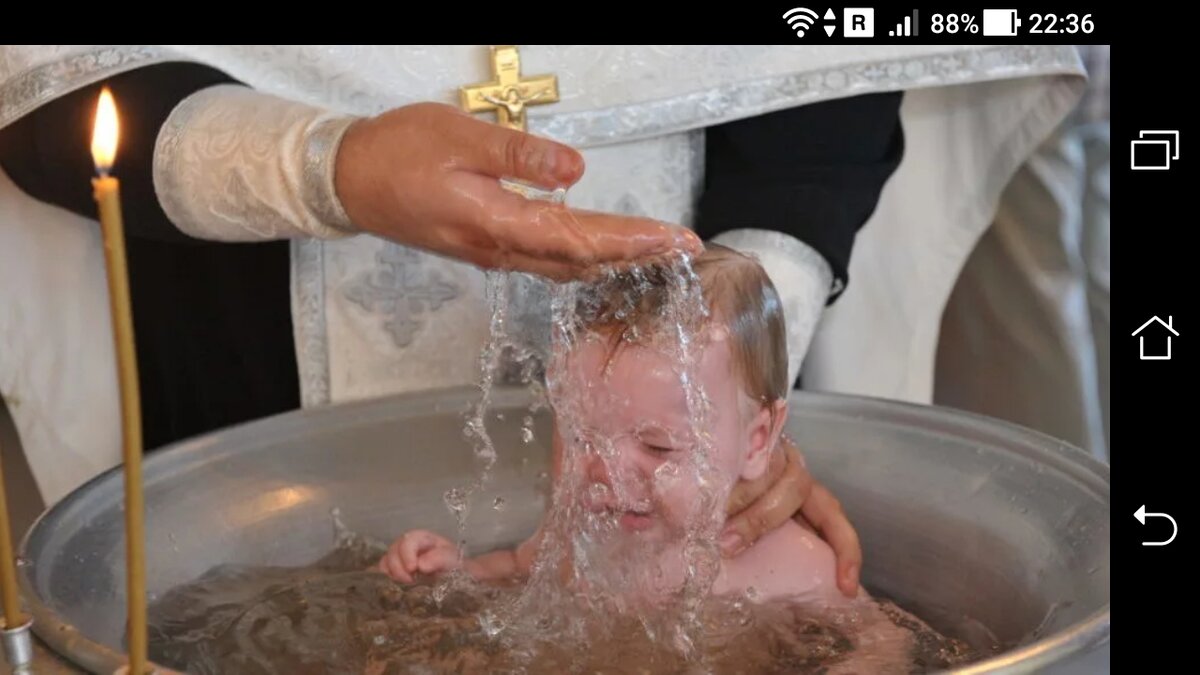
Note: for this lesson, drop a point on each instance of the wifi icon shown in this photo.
(800, 19)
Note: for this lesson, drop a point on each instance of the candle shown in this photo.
(106, 190)
(8, 570)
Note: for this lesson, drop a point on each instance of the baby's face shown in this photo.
(642, 459)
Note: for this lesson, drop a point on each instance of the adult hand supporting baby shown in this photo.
(788, 490)
(427, 175)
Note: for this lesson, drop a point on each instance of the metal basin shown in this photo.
(964, 520)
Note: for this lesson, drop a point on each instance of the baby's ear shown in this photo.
(764, 432)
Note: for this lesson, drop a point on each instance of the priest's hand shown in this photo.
(787, 490)
(427, 175)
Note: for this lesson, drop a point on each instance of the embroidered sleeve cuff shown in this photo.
(234, 164)
(802, 278)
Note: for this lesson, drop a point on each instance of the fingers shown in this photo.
(521, 262)
(501, 152)
(438, 559)
(581, 269)
(405, 556)
(580, 239)
(391, 565)
(412, 545)
(493, 228)
(618, 238)
(825, 513)
(427, 175)
(746, 491)
(775, 507)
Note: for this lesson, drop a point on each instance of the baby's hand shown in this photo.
(419, 552)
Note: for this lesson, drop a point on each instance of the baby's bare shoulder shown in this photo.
(789, 561)
(793, 544)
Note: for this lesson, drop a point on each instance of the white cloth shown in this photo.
(362, 306)
(1018, 338)
(57, 369)
(962, 146)
(1025, 336)
(232, 164)
(803, 274)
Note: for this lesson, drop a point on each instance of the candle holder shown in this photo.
(18, 646)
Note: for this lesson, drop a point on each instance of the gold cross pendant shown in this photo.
(508, 94)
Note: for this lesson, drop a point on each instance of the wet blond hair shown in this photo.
(739, 297)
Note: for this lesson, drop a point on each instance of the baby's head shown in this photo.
(635, 434)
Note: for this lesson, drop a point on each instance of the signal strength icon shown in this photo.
(906, 28)
(800, 19)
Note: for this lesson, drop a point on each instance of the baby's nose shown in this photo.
(597, 469)
(618, 466)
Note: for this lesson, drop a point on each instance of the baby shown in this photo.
(636, 449)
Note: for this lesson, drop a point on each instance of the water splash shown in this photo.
(509, 355)
(589, 571)
(585, 569)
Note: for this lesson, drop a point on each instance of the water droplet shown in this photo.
(666, 476)
(380, 640)
(500, 416)
(456, 500)
(498, 504)
(22, 561)
(527, 435)
(598, 493)
(491, 624)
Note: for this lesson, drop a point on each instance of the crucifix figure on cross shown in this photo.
(509, 95)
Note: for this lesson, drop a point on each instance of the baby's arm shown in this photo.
(424, 552)
(505, 564)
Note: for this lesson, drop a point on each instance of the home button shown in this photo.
(1154, 339)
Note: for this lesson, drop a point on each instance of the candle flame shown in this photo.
(105, 132)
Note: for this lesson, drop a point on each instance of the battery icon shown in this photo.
(1000, 22)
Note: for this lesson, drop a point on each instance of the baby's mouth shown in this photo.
(636, 521)
(634, 517)
(623, 509)
(631, 516)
